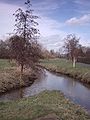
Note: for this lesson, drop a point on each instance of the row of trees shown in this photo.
(14, 47)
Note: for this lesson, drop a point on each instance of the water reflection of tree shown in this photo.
(73, 86)
(74, 83)
(21, 93)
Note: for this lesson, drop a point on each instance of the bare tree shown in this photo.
(71, 45)
(26, 55)
(23, 44)
(25, 23)
(88, 52)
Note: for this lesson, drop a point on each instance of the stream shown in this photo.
(74, 90)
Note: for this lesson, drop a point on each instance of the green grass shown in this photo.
(82, 71)
(5, 64)
(47, 102)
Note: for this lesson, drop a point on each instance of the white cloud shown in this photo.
(6, 19)
(79, 21)
(80, 2)
(49, 26)
(51, 34)
(50, 29)
(45, 7)
(83, 6)
(52, 42)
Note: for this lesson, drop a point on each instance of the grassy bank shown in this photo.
(47, 103)
(81, 72)
(10, 76)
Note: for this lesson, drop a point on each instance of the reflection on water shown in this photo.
(74, 90)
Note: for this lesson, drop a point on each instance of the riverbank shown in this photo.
(10, 76)
(48, 104)
(80, 73)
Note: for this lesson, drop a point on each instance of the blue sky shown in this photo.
(57, 19)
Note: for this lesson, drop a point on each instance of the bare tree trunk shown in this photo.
(21, 68)
(21, 93)
(21, 74)
(74, 62)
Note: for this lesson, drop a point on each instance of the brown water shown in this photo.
(72, 89)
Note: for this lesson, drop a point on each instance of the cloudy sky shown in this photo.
(57, 19)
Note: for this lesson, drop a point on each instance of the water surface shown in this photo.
(72, 89)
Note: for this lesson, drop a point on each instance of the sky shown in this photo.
(57, 18)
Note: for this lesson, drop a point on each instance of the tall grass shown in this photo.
(81, 72)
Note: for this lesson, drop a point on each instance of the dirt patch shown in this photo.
(49, 117)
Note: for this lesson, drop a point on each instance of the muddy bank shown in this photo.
(11, 85)
(10, 80)
(84, 78)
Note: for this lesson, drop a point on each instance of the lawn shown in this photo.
(81, 72)
(45, 103)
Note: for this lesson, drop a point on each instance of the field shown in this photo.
(81, 72)
(47, 103)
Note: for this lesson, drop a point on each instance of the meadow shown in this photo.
(62, 66)
(49, 104)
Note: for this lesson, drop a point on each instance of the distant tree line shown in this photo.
(4, 50)
(72, 50)
(84, 55)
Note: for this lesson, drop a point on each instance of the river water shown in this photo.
(74, 90)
